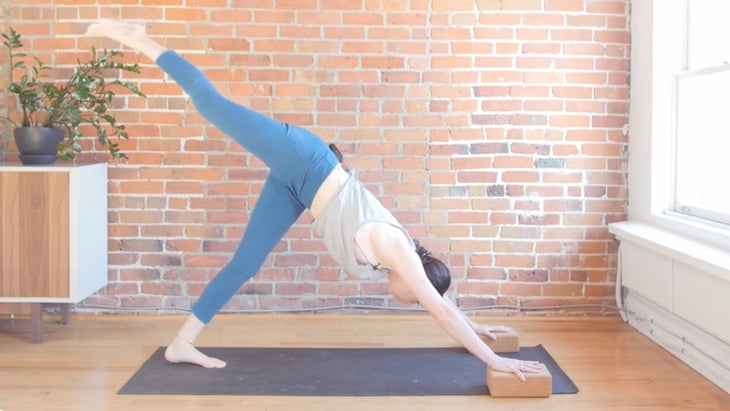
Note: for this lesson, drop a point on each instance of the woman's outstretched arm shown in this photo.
(481, 329)
(392, 249)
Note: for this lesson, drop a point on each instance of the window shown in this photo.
(658, 157)
(702, 150)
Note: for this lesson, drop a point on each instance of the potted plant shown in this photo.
(48, 113)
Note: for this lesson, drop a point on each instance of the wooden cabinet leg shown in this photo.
(65, 313)
(36, 323)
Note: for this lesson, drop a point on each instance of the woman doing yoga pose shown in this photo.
(306, 174)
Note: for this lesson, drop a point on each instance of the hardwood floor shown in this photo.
(81, 366)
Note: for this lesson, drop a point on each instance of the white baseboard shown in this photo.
(701, 351)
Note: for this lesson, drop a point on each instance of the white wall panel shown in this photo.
(702, 299)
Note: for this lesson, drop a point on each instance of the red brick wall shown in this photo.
(492, 128)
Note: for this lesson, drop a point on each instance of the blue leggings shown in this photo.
(298, 162)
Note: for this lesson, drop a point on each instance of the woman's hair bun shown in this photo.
(423, 254)
(436, 271)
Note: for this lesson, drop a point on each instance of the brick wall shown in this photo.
(494, 130)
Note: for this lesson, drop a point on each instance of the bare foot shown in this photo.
(115, 30)
(131, 35)
(181, 351)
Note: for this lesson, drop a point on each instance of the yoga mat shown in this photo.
(331, 372)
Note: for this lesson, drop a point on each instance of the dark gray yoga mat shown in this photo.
(332, 372)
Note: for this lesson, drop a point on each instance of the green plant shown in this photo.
(82, 99)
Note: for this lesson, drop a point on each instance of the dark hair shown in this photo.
(436, 271)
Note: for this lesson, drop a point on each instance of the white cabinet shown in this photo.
(53, 235)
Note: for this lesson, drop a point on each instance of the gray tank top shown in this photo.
(351, 208)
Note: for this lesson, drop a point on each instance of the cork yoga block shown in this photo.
(507, 341)
(505, 384)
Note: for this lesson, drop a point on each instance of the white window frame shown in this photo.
(685, 74)
(657, 55)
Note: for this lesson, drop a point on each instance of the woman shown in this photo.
(306, 174)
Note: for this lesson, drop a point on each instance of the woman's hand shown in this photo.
(517, 367)
(489, 330)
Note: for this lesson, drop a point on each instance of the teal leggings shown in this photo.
(298, 162)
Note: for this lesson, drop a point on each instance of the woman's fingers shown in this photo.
(520, 375)
(528, 367)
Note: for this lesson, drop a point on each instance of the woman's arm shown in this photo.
(392, 249)
(481, 329)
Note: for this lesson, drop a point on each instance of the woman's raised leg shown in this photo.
(266, 138)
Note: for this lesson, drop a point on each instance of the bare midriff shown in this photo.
(328, 190)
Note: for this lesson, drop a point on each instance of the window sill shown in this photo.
(694, 253)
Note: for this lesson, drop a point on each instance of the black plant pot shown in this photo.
(37, 145)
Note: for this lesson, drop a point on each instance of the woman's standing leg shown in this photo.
(275, 211)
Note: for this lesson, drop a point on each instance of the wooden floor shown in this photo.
(81, 366)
